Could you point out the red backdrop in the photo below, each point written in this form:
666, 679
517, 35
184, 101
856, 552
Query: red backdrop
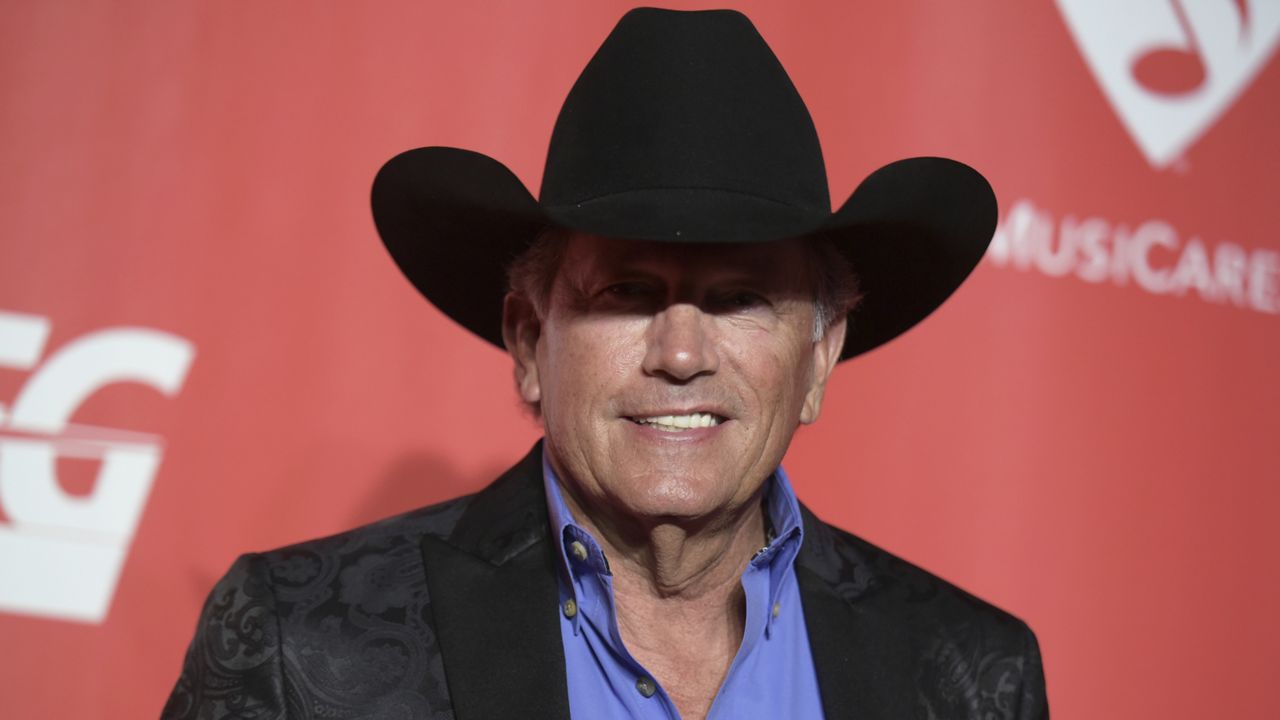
204, 349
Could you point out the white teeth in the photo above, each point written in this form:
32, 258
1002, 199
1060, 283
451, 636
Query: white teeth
676, 423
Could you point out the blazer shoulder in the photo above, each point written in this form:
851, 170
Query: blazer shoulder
233, 663
860, 571
333, 625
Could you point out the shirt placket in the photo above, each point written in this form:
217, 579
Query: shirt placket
643, 695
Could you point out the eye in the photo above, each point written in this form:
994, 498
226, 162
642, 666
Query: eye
626, 289
627, 295
740, 300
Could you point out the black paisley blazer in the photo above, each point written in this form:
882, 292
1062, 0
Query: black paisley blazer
451, 612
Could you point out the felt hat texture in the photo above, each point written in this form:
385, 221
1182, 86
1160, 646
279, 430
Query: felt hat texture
684, 127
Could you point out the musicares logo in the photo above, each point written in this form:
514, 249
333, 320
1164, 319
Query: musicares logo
1171, 67
1151, 256
60, 554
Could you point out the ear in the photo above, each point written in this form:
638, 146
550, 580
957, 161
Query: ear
826, 353
521, 328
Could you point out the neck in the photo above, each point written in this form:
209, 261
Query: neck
671, 559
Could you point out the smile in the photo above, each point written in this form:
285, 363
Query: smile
678, 423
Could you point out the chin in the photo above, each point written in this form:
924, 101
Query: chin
677, 497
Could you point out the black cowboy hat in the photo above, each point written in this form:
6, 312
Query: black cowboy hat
684, 128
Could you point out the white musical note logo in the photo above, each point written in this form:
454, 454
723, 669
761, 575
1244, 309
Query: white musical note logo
1170, 68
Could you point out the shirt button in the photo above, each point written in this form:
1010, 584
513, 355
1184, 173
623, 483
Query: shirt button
570, 608
646, 687
579, 550
777, 608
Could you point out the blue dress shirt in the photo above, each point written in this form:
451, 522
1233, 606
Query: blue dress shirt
772, 675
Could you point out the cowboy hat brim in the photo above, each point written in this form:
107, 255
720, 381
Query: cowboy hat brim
453, 220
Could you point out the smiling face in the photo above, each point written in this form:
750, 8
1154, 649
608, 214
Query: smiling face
672, 377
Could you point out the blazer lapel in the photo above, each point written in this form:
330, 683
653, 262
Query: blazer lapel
495, 603
862, 659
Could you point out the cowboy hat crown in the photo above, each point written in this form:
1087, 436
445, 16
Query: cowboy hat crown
684, 127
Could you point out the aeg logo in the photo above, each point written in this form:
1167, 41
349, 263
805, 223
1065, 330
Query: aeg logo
1171, 67
61, 555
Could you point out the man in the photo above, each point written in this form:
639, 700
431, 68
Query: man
674, 305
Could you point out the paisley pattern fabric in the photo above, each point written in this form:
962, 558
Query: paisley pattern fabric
334, 628
955, 655
344, 627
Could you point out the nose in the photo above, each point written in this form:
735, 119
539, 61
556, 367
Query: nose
679, 345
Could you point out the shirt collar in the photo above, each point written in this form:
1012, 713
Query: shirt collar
778, 556
784, 518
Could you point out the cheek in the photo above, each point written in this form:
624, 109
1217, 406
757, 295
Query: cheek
583, 363
776, 370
